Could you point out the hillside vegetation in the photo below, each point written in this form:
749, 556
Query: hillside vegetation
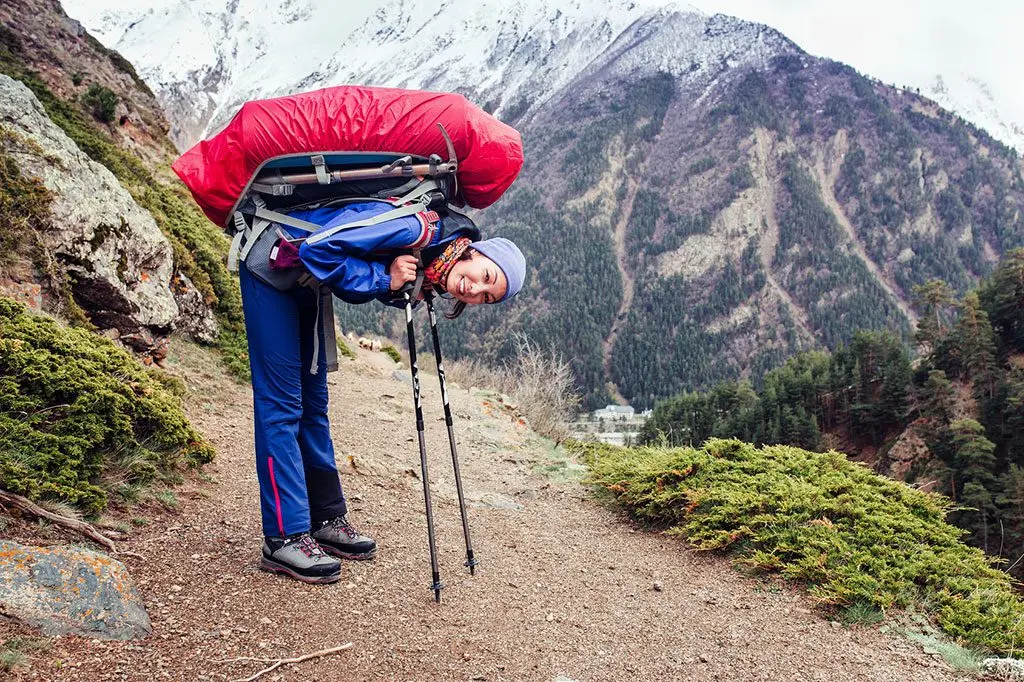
81, 420
858, 541
85, 115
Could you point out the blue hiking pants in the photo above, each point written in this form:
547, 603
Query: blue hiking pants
299, 482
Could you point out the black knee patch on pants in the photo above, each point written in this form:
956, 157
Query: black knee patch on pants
326, 499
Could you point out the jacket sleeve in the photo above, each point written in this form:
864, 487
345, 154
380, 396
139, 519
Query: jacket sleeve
353, 263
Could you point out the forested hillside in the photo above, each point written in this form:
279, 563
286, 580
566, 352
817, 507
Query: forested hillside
718, 231
952, 421
700, 200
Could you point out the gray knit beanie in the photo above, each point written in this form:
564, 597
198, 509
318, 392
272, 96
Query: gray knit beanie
509, 258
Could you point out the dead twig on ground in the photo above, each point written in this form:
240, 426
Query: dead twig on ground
80, 527
278, 662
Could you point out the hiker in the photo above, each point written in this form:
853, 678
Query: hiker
303, 506
335, 192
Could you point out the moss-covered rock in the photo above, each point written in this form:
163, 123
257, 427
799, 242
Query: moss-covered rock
853, 537
80, 417
102, 238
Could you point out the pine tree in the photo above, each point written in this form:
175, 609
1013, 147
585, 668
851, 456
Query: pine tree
935, 299
979, 499
975, 343
936, 398
1003, 298
973, 455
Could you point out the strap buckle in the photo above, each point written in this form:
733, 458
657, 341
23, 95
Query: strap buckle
320, 166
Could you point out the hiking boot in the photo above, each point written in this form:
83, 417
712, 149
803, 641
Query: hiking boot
338, 537
300, 557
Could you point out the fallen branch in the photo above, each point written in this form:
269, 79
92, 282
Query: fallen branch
278, 662
81, 527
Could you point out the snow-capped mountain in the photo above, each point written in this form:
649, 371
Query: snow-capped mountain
970, 97
204, 58
700, 198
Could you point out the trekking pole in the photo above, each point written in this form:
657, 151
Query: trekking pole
435, 574
471, 562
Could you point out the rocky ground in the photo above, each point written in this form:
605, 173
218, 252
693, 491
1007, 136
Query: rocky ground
568, 588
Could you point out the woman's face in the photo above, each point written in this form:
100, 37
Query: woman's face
476, 279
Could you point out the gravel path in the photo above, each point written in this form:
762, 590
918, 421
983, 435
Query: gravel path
566, 590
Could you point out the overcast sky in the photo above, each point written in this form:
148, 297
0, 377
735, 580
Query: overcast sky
905, 42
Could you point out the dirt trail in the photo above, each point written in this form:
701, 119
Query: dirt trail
566, 590
628, 287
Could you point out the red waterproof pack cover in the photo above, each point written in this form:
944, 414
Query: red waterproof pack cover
352, 119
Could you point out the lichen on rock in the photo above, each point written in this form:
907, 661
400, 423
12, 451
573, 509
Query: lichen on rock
70, 590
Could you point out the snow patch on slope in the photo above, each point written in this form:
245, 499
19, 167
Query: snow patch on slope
972, 98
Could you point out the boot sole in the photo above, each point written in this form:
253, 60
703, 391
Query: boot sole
273, 567
366, 556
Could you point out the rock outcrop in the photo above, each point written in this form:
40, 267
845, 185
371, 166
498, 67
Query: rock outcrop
69, 590
111, 248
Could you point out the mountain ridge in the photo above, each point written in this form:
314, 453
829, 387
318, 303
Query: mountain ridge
782, 202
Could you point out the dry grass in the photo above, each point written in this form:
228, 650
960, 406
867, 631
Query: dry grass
540, 382
471, 373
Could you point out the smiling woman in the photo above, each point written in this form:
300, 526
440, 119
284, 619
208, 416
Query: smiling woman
378, 261
483, 272
361, 256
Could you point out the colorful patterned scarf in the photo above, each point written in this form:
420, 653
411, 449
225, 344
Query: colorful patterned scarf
438, 270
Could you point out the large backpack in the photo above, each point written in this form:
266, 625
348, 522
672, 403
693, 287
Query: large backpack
339, 145
409, 184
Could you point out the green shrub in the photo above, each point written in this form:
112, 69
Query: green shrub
344, 351
392, 353
77, 77
76, 409
101, 101
851, 536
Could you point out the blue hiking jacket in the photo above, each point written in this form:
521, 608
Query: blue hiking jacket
354, 263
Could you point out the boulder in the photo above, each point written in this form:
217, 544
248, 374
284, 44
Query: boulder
70, 590
196, 318
120, 262
1006, 668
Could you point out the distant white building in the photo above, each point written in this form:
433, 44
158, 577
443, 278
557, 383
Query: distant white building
614, 424
615, 412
